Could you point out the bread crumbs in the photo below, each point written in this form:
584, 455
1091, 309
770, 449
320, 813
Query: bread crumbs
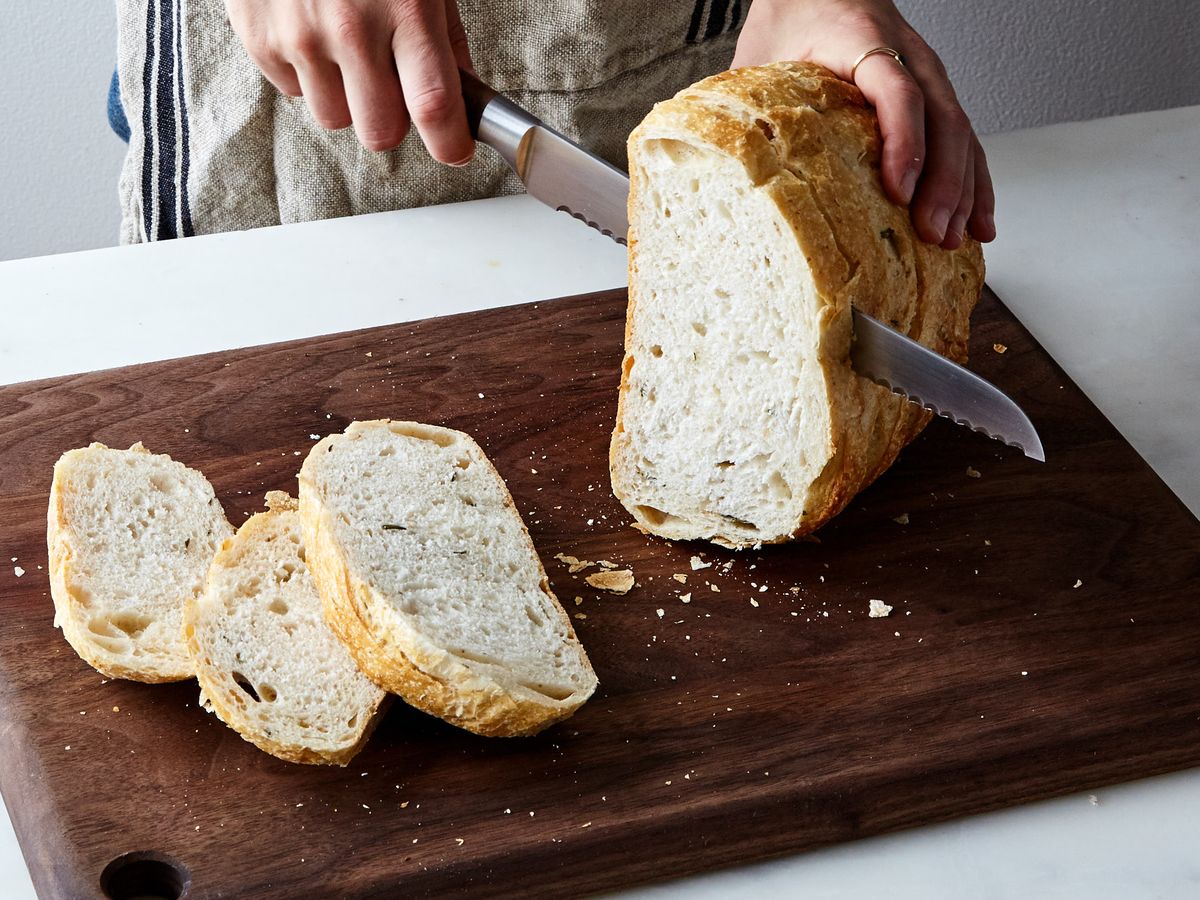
877, 609
618, 581
681, 578
999, 348
18, 571
1078, 583
901, 519
685, 598
698, 564
972, 472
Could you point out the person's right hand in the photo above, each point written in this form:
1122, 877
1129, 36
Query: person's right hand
379, 64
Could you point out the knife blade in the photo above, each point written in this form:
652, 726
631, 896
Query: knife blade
942, 386
553, 168
566, 177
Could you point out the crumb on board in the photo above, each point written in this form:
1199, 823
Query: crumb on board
972, 472
618, 581
1078, 583
18, 571
999, 348
680, 577
877, 609
698, 564
685, 598
714, 588
901, 519
573, 563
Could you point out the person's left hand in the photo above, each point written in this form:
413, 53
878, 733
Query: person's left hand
932, 160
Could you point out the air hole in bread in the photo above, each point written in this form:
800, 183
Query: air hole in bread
725, 464
284, 573
779, 487
695, 185
666, 212
131, 624
422, 432
80, 595
467, 500
471, 656
553, 691
389, 450
267, 692
889, 240
534, 617
352, 721
244, 683
463, 463
767, 261
654, 516
739, 523
656, 351
765, 127
700, 328
277, 606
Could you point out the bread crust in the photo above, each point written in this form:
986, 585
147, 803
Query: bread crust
809, 141
400, 659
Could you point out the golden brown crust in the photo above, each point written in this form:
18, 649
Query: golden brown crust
809, 140
424, 675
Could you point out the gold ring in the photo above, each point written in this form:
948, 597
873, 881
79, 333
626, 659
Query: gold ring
888, 51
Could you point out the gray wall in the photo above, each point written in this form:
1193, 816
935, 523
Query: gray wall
1020, 63
59, 161
1016, 63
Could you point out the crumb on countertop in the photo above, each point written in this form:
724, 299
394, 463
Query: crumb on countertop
877, 609
618, 581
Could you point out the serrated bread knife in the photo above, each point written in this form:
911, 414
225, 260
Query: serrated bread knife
568, 178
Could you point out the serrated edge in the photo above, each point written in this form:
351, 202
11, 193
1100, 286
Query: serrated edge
588, 222
945, 414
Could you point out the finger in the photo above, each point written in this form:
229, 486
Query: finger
458, 37
280, 73
966, 201
432, 89
982, 223
948, 137
900, 106
321, 84
373, 93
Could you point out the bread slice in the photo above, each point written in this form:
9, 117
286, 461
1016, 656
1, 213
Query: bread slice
267, 663
130, 535
427, 574
757, 220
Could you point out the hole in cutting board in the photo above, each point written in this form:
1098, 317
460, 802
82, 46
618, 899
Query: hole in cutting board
145, 875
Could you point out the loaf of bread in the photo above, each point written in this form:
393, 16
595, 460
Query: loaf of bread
130, 536
267, 663
429, 577
757, 220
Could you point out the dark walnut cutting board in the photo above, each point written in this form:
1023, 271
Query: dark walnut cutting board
1045, 637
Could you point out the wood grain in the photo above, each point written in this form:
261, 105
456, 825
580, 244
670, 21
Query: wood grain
722, 731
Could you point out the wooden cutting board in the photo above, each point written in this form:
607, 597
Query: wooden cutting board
1044, 638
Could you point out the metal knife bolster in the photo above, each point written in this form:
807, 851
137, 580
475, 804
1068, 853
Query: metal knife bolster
553, 168
942, 386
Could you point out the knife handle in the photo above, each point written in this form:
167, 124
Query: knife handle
496, 121
477, 96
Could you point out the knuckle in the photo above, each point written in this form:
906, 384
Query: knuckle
432, 104
303, 42
349, 28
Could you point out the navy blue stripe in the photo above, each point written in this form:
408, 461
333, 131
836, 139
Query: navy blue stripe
716, 19
147, 128
185, 212
736, 18
166, 121
697, 15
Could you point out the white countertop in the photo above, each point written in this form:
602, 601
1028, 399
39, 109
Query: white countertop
1098, 255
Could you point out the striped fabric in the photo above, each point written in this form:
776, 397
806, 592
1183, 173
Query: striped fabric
214, 147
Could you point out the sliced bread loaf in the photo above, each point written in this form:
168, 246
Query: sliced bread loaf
267, 663
757, 220
130, 535
427, 574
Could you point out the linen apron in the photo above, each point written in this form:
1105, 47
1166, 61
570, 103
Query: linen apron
215, 147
